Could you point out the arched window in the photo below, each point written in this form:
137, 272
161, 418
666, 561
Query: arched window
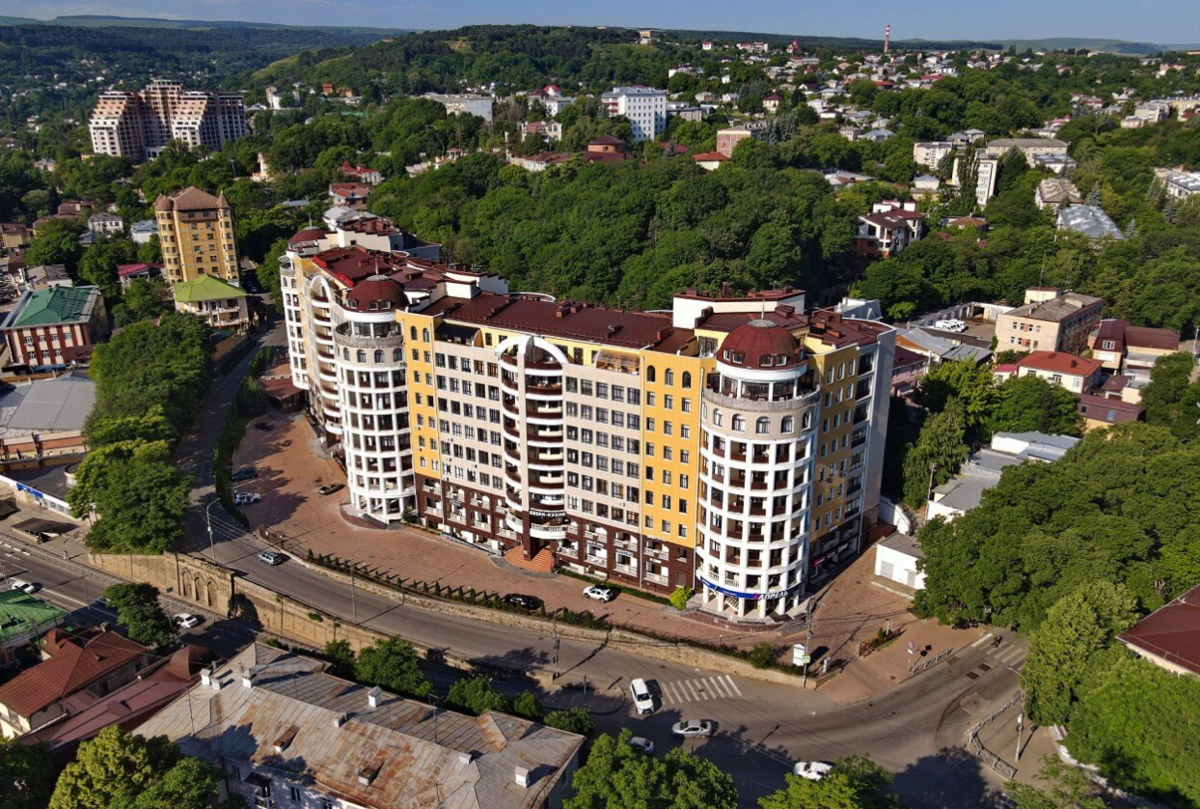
412, 332
687, 379
789, 424
669, 377
362, 355
378, 355
346, 354
762, 426
806, 421
397, 355
717, 417
739, 424
425, 335
651, 375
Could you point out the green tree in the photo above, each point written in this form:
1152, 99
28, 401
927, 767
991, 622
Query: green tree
57, 242
1031, 403
853, 783
573, 720
970, 382
1062, 651
146, 298
938, 453
139, 612
119, 769
150, 252
617, 776
476, 695
393, 664
26, 774
341, 659
1065, 787
98, 265
680, 597
267, 273
1170, 398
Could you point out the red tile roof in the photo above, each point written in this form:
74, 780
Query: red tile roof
1110, 411
131, 269
76, 662
1171, 633
1060, 362
578, 321
759, 344
706, 157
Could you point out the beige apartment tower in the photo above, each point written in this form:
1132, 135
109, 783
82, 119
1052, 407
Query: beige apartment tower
196, 231
137, 125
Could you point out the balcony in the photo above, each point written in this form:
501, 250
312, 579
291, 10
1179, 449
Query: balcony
656, 578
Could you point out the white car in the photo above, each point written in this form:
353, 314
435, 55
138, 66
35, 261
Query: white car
246, 498
600, 593
271, 558
812, 770
643, 700
24, 586
691, 728
186, 621
642, 743
953, 325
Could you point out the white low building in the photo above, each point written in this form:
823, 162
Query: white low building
896, 561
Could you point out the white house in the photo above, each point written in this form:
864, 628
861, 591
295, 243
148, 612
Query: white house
896, 561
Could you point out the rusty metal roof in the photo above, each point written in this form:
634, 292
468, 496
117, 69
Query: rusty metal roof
302, 725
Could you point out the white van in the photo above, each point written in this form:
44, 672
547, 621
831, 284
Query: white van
953, 325
643, 700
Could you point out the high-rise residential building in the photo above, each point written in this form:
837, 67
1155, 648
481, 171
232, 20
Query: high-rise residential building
138, 125
734, 445
645, 107
195, 230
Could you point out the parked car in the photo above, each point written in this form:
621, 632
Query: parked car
103, 602
523, 601
245, 473
812, 770
329, 488
271, 558
643, 700
643, 744
246, 498
24, 586
265, 426
600, 592
186, 621
952, 324
691, 728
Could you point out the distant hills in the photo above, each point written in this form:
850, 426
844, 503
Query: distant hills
1118, 46
107, 21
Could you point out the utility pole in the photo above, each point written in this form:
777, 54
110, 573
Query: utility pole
932, 471
1020, 725
554, 626
208, 518
353, 602
808, 641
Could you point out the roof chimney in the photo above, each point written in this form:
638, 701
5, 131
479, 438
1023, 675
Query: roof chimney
373, 697
523, 777
340, 720
247, 681
464, 758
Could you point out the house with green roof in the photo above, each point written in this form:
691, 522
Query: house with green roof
23, 618
54, 327
219, 302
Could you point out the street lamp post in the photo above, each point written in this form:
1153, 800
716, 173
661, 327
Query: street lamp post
208, 517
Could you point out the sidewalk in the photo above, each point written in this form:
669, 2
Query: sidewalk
854, 610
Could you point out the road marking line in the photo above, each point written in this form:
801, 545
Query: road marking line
975, 645
669, 689
713, 688
733, 685
692, 690
721, 688
1009, 654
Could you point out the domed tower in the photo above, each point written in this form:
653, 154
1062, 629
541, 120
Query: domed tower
374, 400
758, 435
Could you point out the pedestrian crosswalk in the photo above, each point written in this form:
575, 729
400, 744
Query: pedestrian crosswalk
700, 690
1006, 654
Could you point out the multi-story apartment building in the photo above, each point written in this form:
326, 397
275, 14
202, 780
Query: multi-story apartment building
137, 125
734, 445
196, 232
54, 327
931, 153
645, 107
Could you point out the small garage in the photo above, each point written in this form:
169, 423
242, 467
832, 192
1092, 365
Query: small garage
896, 560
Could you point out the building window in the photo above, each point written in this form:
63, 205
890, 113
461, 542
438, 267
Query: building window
739, 424
762, 426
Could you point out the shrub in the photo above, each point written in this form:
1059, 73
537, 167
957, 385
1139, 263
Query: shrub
679, 598
762, 655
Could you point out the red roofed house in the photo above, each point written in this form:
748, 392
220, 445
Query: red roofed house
77, 670
889, 228
1076, 374
606, 149
361, 173
771, 103
710, 161
1131, 350
352, 195
127, 273
1170, 636
1101, 411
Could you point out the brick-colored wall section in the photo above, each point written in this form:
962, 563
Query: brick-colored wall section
222, 592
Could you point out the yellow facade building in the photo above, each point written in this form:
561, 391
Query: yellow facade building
196, 232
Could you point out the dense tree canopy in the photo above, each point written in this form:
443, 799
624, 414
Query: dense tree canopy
393, 664
26, 774
1122, 506
140, 613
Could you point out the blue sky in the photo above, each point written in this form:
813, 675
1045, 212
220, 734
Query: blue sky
1159, 21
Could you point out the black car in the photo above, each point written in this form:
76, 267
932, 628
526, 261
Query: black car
245, 473
525, 602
